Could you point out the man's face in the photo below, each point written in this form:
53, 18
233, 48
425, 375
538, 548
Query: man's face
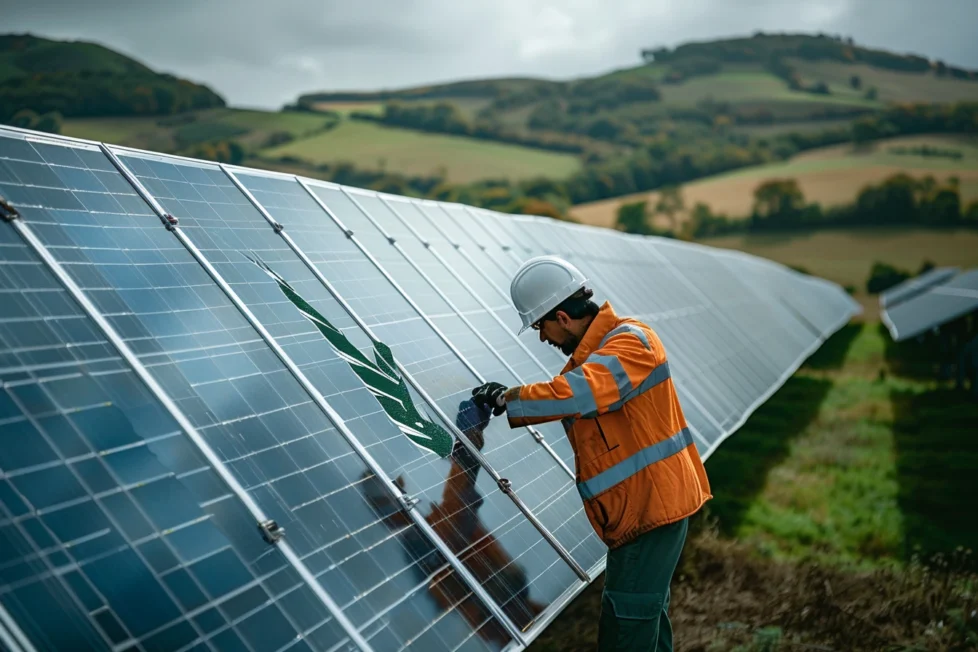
557, 333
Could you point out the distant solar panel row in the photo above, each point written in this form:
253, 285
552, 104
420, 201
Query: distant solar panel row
234, 410
929, 301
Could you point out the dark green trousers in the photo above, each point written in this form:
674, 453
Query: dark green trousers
635, 602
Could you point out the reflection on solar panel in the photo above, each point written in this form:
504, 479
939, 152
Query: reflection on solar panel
933, 307
235, 404
916, 285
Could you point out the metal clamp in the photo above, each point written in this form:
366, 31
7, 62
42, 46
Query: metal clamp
271, 532
505, 486
409, 502
7, 210
277, 227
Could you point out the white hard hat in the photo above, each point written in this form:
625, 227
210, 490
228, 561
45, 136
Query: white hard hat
540, 284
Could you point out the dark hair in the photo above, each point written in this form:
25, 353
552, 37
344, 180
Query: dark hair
577, 306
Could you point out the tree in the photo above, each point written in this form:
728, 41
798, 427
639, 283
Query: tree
51, 122
884, 276
631, 218
670, 204
856, 82
777, 201
25, 119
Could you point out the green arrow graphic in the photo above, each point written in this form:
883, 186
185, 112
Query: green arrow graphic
380, 376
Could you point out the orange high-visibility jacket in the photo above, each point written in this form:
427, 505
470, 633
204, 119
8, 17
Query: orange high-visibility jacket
637, 466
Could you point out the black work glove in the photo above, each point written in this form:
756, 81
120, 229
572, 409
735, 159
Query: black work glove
490, 397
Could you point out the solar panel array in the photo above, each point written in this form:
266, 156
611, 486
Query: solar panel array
929, 301
916, 285
235, 404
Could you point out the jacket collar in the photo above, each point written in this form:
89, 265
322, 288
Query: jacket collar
601, 325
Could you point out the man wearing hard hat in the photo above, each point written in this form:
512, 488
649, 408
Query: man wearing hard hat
638, 470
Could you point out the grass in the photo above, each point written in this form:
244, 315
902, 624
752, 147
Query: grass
167, 134
829, 175
891, 85
374, 146
822, 500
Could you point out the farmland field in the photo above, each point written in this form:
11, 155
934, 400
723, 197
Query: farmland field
830, 176
845, 256
373, 146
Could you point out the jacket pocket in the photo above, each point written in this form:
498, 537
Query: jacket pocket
629, 621
610, 514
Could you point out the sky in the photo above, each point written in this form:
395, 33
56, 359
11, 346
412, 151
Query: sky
265, 53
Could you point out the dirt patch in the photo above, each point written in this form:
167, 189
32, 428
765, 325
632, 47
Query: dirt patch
726, 597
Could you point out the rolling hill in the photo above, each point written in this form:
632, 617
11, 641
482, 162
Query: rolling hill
76, 78
679, 116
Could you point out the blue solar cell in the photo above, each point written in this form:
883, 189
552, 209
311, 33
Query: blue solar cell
68, 487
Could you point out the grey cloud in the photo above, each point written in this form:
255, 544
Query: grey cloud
262, 53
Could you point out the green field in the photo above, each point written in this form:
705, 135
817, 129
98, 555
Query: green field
830, 176
744, 84
170, 133
372, 146
891, 85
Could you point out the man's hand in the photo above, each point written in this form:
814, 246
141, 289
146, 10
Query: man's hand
490, 397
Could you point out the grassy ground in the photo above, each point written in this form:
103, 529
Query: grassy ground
822, 501
830, 176
373, 146
891, 85
252, 128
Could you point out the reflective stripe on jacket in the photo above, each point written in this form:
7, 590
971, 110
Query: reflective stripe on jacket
637, 466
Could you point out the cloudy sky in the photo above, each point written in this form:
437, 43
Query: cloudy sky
264, 53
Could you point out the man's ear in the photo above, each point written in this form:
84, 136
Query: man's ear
563, 318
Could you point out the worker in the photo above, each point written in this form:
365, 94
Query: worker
637, 468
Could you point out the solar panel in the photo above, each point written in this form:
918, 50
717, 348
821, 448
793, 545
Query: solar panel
933, 307
243, 400
916, 285
107, 507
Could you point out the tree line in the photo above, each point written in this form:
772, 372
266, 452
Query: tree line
87, 94
780, 205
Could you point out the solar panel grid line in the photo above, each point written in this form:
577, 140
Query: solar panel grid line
504, 484
482, 273
502, 257
12, 635
441, 219
735, 327
534, 432
406, 500
477, 216
113, 338
290, 554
